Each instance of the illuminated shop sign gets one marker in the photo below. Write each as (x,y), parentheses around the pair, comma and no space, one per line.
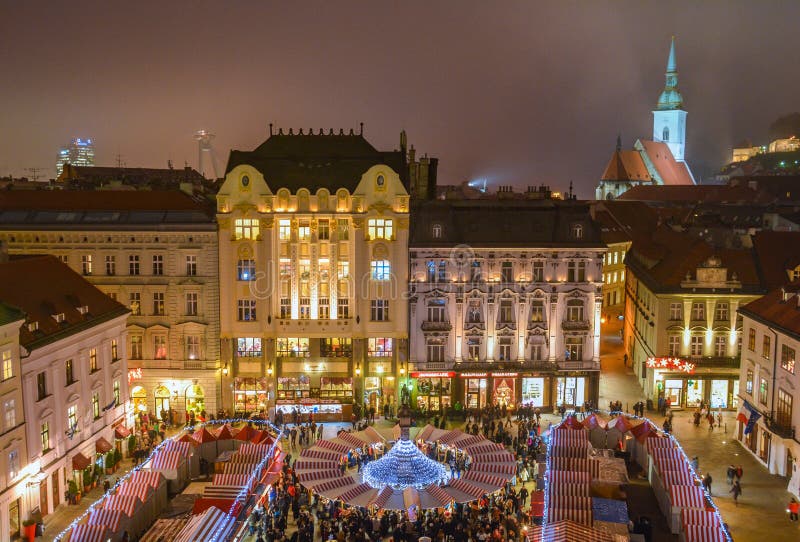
(443,374)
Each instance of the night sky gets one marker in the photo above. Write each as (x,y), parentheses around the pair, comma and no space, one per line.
(515,92)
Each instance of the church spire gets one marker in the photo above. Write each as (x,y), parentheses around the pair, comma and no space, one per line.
(671,68)
(670,98)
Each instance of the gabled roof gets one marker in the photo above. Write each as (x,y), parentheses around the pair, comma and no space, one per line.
(42,287)
(625,220)
(315,161)
(668,169)
(626,166)
(692,194)
(10,314)
(779,308)
(778,251)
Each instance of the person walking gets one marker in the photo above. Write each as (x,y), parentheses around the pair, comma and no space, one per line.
(739,472)
(730,473)
(736,489)
(793,508)
(707,483)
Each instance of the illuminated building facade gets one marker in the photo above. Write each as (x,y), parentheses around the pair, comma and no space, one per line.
(505,304)
(68,356)
(155,252)
(79,152)
(313,266)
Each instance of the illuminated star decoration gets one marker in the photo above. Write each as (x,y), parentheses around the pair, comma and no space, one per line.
(671,364)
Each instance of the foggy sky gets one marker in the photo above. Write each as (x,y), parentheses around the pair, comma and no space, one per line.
(515,92)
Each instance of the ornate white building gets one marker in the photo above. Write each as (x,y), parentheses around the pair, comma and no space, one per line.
(71,342)
(313,267)
(155,252)
(505,304)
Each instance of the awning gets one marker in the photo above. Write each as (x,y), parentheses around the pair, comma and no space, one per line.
(121,432)
(80,462)
(102,446)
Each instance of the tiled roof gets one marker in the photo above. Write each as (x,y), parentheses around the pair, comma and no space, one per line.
(41,287)
(48,207)
(626,166)
(778,251)
(129,174)
(691,194)
(780,308)
(316,161)
(9,314)
(625,220)
(502,223)
(670,170)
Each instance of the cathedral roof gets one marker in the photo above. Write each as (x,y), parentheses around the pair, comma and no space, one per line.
(626,166)
(667,169)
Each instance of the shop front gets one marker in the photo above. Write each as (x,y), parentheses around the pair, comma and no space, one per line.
(475,389)
(533,391)
(694,391)
(139,399)
(162,400)
(504,390)
(250,395)
(320,410)
(195,400)
(571,391)
(434,390)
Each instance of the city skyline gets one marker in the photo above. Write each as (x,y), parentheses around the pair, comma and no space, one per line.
(511,95)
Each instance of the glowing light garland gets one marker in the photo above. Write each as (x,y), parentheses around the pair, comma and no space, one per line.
(404,466)
(256,473)
(674,441)
(671,364)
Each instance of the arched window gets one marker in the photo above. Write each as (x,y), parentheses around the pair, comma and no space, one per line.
(437,231)
(577,231)
(665,134)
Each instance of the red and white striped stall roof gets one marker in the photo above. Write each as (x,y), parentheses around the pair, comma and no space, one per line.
(703,533)
(248,448)
(582,516)
(687,497)
(382,497)
(565,488)
(576,436)
(656,442)
(108,518)
(351,439)
(140,491)
(88,533)
(356,491)
(250,459)
(325,455)
(302,465)
(466,487)
(484,448)
(494,457)
(372,435)
(150,478)
(560,476)
(213,491)
(231,480)
(309,477)
(439,494)
(127,504)
(560,501)
(566,531)
(680,477)
(670,463)
(212,523)
(426,432)
(166,460)
(237,468)
(184,448)
(330,445)
(451,436)
(698,517)
(505,469)
(577,452)
(332,487)
(576,464)
(489,481)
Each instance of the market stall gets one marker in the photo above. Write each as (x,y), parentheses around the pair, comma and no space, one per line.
(154,480)
(115,521)
(173,466)
(130,506)
(213,523)
(88,533)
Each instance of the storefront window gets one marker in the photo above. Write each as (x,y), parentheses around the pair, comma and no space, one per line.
(694,393)
(434,393)
(250,395)
(673,390)
(504,392)
(248,347)
(336,347)
(379,347)
(336,388)
(533,392)
(571,391)
(292,347)
(162,400)
(139,398)
(195,399)
(294,387)
(475,394)
(719,394)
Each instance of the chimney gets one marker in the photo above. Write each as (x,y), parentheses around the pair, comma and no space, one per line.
(3,252)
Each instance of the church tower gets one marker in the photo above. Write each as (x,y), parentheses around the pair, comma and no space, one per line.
(669,118)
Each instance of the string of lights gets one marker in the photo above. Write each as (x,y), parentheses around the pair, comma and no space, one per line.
(60,536)
(404,466)
(655,428)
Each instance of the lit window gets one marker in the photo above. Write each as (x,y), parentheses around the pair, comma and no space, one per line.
(304,230)
(192,347)
(323,230)
(766,347)
(246,228)
(86,264)
(8,365)
(136,346)
(135,303)
(763,389)
(191,266)
(285,229)
(191,303)
(13,464)
(248,347)
(95,405)
(45,436)
(116,393)
(787,358)
(160,347)
(158,304)
(696,345)
(10,414)
(380,228)
(246,310)
(72,419)
(111,265)
(380,269)
(114,350)
(246,270)
(292,346)
(577,231)
(437,231)
(379,347)
(721,312)
(504,348)
(69,372)
(92,360)
(748,384)
(676,311)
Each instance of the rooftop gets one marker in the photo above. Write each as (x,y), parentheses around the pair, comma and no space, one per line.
(780,308)
(692,193)
(57,301)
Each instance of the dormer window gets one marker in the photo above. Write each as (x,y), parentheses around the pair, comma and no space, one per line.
(436,231)
(59,318)
(577,231)
(33,327)
(84,310)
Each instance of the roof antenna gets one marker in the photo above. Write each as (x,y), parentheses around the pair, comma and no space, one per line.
(619,142)
(270,129)
(361,131)
(570,191)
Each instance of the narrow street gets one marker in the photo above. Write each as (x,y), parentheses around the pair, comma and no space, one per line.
(762,506)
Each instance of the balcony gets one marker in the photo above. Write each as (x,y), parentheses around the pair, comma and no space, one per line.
(526,365)
(584,365)
(429,325)
(575,325)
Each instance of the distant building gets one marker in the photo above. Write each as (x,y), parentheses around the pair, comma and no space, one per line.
(120,178)
(770,378)
(79,152)
(657,162)
(70,356)
(505,303)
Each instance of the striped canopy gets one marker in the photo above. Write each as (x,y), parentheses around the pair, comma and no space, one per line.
(128,504)
(215,491)
(698,517)
(558,501)
(582,516)
(183,448)
(327,455)
(150,478)
(252,459)
(166,460)
(654,441)
(231,480)
(372,435)
(237,468)
(488,482)
(558,476)
(203,435)
(578,490)
(108,518)
(164,529)
(687,497)
(330,445)
(212,523)
(506,470)
(356,491)
(439,494)
(484,448)
(467,487)
(140,491)
(680,477)
(302,465)
(88,533)
(382,497)
(703,533)
(351,439)
(565,531)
